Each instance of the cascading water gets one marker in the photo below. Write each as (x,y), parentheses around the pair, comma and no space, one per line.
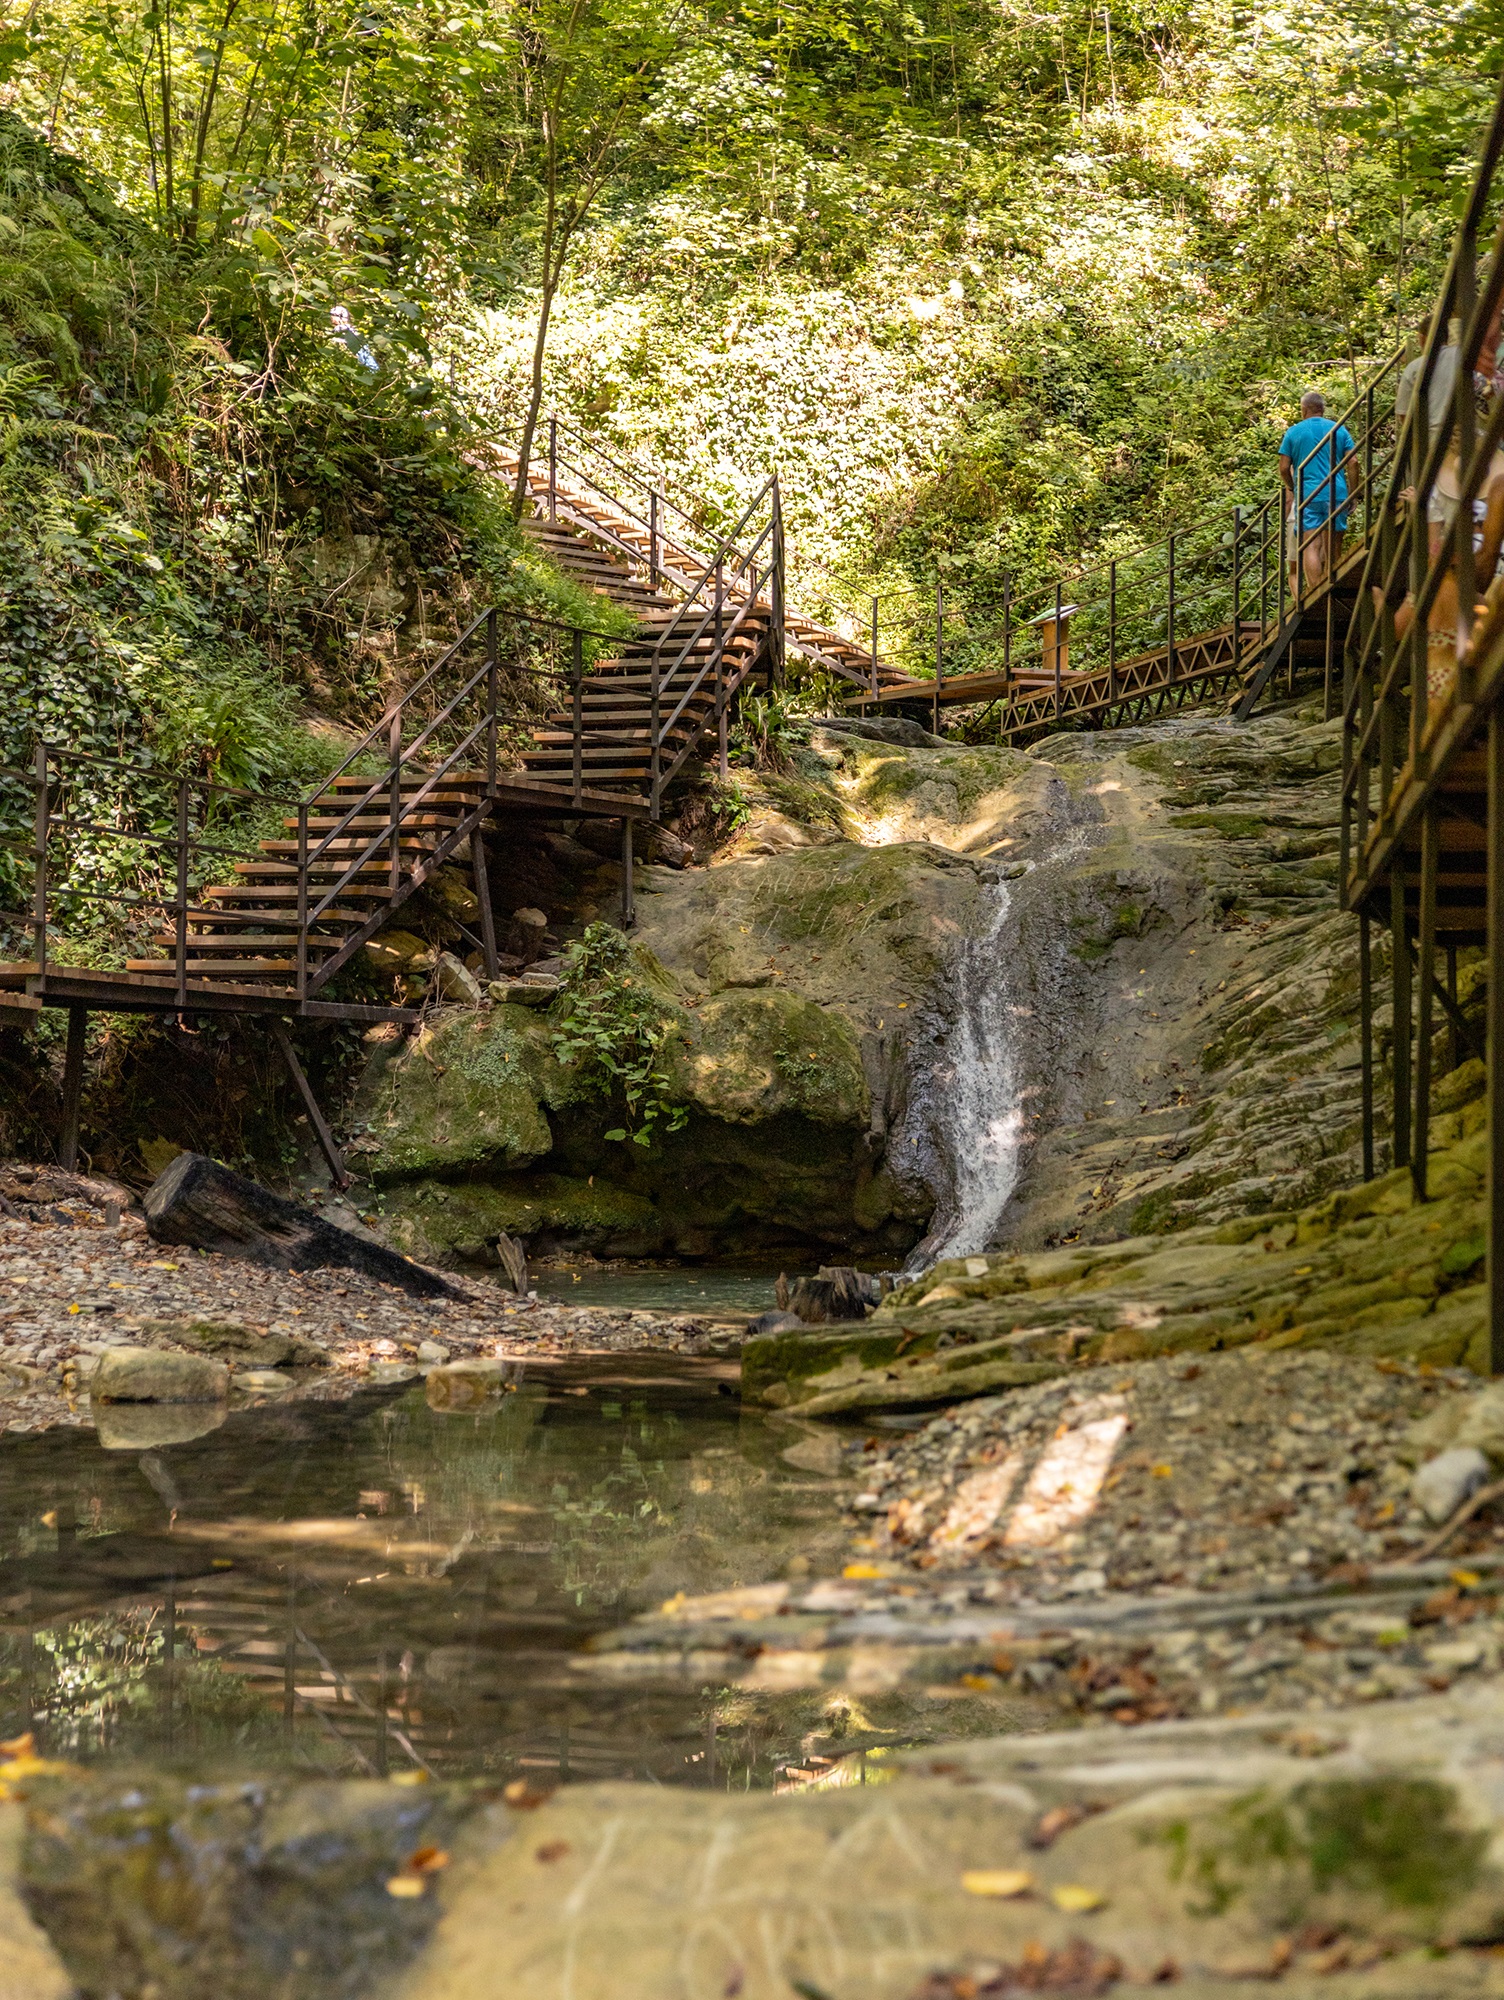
(968,1099)
(967,1118)
(975,1077)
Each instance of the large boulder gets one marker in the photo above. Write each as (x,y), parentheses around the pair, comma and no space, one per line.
(472,1090)
(157,1375)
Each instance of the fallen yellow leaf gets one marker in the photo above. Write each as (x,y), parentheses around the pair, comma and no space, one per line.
(671,1604)
(997,1881)
(405,1885)
(157,1266)
(1162,1471)
(861,1571)
(1466,1579)
(1076,1899)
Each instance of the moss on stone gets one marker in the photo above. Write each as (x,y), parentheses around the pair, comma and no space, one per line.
(434,1221)
(758,1053)
(471,1091)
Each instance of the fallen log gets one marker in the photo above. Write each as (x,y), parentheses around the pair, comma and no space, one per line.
(197,1202)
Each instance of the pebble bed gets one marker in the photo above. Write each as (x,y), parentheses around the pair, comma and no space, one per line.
(1284,1475)
(74,1281)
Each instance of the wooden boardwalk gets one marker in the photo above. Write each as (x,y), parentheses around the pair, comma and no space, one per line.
(1423,743)
(1207,614)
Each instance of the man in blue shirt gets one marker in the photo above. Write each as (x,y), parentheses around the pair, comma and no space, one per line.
(1320,454)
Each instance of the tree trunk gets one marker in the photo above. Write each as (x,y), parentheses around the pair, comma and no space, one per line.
(198,1202)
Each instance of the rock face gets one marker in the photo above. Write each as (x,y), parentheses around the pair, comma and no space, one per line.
(790,982)
(1369,1270)
(1209,1855)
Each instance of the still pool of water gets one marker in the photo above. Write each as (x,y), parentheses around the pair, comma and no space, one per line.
(681,1288)
(372,1585)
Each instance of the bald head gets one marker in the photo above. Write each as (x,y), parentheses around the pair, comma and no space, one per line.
(1313,404)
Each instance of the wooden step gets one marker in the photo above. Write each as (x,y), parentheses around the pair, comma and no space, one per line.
(209,968)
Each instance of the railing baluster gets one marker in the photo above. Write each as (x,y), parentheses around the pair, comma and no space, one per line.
(553,466)
(939,650)
(577,713)
(39,885)
(180,907)
(653,539)
(874,649)
(302,900)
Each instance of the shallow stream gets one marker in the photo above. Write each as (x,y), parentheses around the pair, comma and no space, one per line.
(371,1586)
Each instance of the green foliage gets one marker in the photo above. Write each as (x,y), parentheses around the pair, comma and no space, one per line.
(768,728)
(613,1026)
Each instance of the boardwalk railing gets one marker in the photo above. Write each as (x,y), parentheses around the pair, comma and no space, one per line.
(1205,602)
(268,895)
(1423,712)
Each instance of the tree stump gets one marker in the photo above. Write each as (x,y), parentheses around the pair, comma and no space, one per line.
(200,1203)
(836,1292)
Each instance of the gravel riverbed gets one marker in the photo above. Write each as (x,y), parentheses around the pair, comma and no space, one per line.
(75,1278)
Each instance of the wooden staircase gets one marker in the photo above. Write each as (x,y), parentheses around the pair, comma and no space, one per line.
(521,714)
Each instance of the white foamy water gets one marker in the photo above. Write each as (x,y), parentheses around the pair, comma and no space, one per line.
(974,1087)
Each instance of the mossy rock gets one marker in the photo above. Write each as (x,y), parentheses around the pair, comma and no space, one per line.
(436,1221)
(757,1053)
(472,1091)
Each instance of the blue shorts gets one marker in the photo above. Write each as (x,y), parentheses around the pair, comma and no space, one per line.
(1314,515)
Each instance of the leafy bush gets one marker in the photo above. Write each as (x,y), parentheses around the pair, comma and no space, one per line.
(618,1032)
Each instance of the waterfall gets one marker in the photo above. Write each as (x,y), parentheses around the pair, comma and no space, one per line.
(971,1090)
(965,1126)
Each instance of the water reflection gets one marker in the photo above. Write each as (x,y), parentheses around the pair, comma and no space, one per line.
(375,1586)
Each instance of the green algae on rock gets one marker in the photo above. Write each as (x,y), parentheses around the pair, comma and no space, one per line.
(1368,1270)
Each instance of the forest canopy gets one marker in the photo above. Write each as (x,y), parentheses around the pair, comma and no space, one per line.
(995,287)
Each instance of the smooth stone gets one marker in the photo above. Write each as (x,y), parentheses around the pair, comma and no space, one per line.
(773,1322)
(462,1385)
(261,1379)
(157,1375)
(431,1354)
(524,992)
(1442,1484)
(145,1426)
(384,1373)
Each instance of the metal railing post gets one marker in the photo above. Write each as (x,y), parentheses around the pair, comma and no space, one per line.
(394,797)
(778,583)
(577,713)
(1170,632)
(553,466)
(1112,629)
(1264,571)
(1237,585)
(492,694)
(721,720)
(302,900)
(39,887)
(653,539)
(939,651)
(874,649)
(655,748)
(1056,632)
(1004,704)
(180,906)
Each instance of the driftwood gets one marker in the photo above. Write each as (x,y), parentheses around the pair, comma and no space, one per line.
(836,1292)
(198,1202)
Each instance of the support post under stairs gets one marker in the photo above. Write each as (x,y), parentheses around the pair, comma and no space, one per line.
(628,904)
(316,1117)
